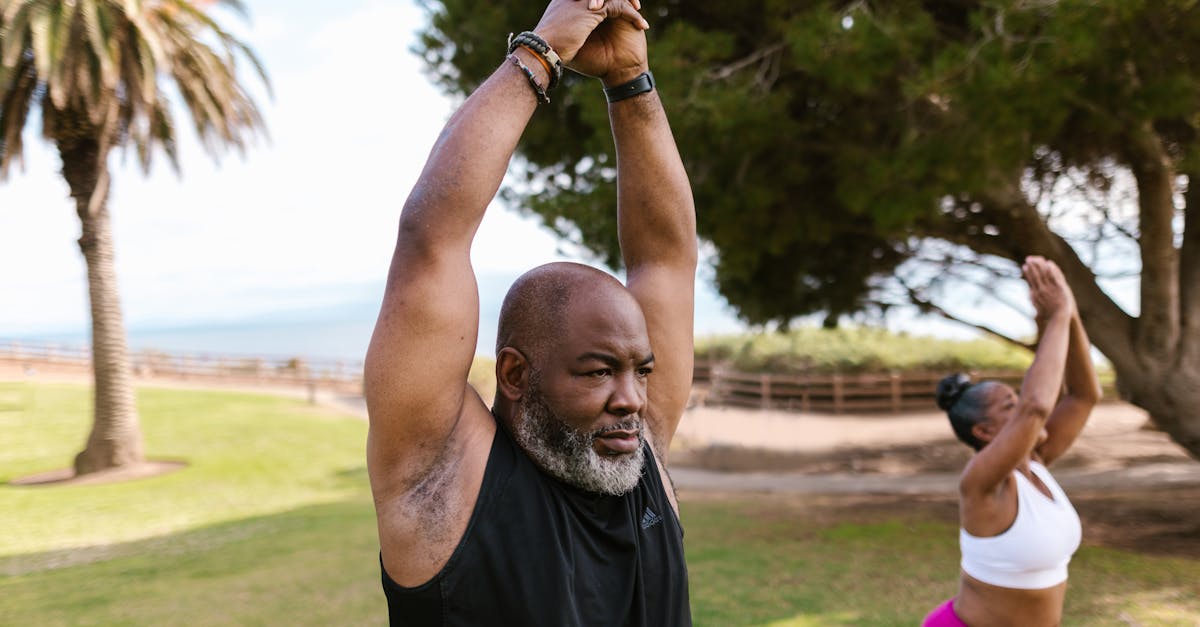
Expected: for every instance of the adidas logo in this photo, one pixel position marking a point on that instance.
(649, 519)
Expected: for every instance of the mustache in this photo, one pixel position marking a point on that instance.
(628, 424)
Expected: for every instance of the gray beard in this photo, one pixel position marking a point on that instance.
(567, 454)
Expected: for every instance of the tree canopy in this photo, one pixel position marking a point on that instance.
(846, 155)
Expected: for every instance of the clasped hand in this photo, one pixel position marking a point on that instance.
(1048, 288)
(601, 38)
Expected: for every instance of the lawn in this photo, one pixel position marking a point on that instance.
(271, 523)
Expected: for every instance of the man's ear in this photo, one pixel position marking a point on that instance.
(512, 373)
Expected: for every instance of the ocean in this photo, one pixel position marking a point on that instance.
(331, 332)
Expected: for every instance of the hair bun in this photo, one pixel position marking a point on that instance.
(950, 389)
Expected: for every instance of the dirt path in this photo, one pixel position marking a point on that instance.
(779, 452)
(1133, 488)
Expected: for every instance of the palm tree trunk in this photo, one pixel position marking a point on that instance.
(116, 438)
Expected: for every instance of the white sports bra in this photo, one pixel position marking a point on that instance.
(1034, 552)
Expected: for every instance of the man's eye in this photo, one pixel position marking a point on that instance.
(644, 372)
(603, 372)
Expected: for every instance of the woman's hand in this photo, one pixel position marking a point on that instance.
(1048, 288)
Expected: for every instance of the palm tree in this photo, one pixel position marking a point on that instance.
(93, 68)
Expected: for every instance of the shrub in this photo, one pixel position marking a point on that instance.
(856, 350)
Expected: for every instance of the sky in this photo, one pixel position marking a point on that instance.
(313, 207)
(305, 219)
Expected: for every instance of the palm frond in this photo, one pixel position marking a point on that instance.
(17, 94)
(100, 67)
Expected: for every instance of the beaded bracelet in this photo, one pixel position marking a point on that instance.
(542, 97)
(548, 56)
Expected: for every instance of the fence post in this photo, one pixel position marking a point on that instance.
(837, 394)
(895, 392)
(764, 383)
(716, 379)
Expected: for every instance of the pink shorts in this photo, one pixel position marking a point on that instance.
(944, 616)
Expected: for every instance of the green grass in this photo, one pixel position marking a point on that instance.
(787, 561)
(272, 523)
(247, 456)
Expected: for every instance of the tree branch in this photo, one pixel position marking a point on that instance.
(1158, 323)
(725, 71)
(928, 306)
(988, 287)
(1025, 233)
(1117, 226)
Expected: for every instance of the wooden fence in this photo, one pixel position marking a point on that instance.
(837, 394)
(343, 376)
(715, 383)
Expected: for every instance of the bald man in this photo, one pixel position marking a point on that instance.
(553, 507)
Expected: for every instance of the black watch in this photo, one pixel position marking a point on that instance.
(640, 85)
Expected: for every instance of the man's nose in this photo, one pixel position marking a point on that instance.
(628, 396)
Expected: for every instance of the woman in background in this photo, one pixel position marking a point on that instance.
(1018, 529)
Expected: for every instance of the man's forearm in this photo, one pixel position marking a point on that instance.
(657, 216)
(469, 159)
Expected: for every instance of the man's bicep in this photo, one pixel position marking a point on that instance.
(420, 353)
(666, 295)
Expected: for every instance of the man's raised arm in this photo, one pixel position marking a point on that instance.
(657, 229)
(425, 336)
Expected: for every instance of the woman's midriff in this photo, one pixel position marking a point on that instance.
(981, 604)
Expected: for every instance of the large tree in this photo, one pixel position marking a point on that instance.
(100, 73)
(851, 154)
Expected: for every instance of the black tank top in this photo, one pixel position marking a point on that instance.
(540, 552)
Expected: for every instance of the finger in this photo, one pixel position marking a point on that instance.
(1052, 274)
(1042, 269)
(622, 9)
(1027, 270)
(1043, 277)
(1034, 276)
(1056, 272)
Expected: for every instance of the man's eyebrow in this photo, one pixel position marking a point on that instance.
(611, 360)
(604, 358)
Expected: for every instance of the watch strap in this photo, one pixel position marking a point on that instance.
(643, 83)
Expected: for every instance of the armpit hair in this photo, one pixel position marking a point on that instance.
(428, 505)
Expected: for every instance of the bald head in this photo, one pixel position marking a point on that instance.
(535, 309)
